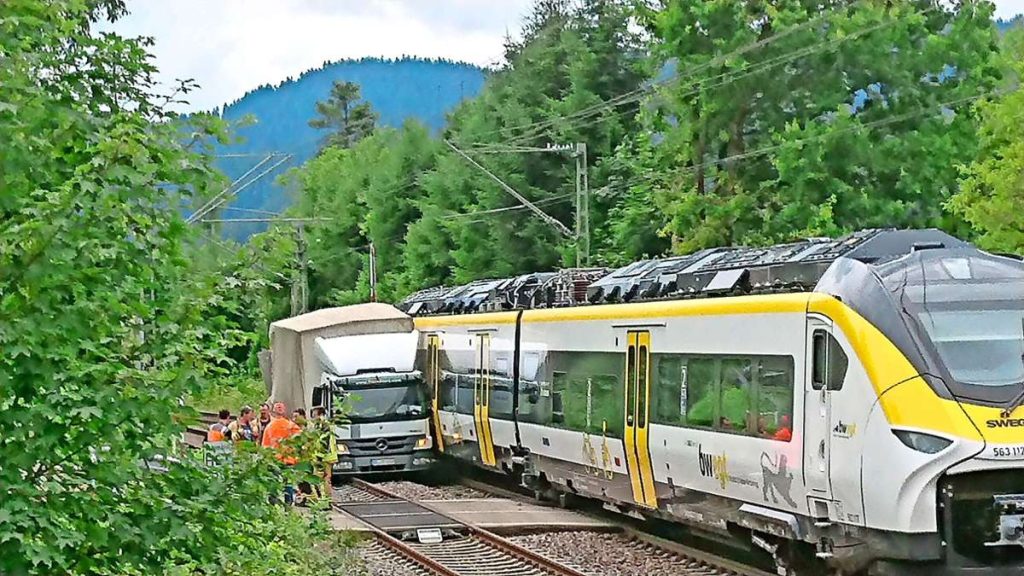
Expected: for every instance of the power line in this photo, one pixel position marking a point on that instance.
(229, 193)
(252, 210)
(211, 201)
(851, 128)
(243, 220)
(627, 97)
(552, 221)
(506, 209)
(728, 77)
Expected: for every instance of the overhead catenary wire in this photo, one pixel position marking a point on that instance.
(725, 78)
(220, 194)
(639, 93)
(231, 191)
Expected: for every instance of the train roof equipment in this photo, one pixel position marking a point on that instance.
(295, 365)
(712, 272)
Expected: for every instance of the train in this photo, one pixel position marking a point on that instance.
(843, 406)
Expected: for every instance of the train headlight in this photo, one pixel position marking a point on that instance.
(424, 443)
(922, 442)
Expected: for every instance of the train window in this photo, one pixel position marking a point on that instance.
(668, 393)
(449, 390)
(533, 406)
(819, 362)
(501, 398)
(737, 394)
(837, 364)
(642, 387)
(559, 390)
(829, 362)
(464, 395)
(702, 397)
(605, 405)
(775, 398)
(630, 384)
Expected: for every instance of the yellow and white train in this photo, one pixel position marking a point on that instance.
(847, 405)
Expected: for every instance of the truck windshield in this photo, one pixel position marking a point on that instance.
(397, 401)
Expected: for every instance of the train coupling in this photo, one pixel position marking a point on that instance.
(1011, 520)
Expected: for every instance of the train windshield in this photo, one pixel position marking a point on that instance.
(970, 308)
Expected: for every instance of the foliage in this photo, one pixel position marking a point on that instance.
(844, 115)
(415, 200)
(990, 198)
(106, 322)
(345, 116)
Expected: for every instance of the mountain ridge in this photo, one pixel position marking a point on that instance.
(401, 89)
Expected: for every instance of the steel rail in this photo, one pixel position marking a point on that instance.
(640, 537)
(488, 537)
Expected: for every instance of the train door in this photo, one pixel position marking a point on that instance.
(817, 410)
(482, 401)
(434, 385)
(637, 410)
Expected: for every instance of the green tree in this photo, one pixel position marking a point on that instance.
(571, 60)
(990, 198)
(794, 118)
(344, 115)
(105, 324)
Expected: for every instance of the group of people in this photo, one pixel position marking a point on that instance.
(271, 428)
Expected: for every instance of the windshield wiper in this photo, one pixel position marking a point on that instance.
(1019, 398)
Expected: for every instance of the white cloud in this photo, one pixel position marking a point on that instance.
(1009, 8)
(232, 46)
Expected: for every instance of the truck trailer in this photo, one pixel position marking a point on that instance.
(358, 363)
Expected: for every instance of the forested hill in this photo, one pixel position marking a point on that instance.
(398, 89)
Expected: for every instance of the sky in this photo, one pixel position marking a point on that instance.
(232, 46)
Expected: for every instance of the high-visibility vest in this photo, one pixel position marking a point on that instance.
(217, 433)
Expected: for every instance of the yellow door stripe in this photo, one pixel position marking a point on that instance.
(434, 381)
(643, 418)
(485, 401)
(629, 403)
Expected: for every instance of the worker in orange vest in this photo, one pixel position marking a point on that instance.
(280, 429)
(218, 431)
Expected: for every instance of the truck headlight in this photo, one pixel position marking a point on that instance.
(342, 448)
(424, 443)
(922, 442)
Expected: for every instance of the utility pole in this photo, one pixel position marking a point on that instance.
(373, 273)
(300, 285)
(579, 152)
(582, 207)
(551, 220)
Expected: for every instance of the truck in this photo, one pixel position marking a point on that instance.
(357, 362)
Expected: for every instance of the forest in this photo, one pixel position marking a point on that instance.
(706, 124)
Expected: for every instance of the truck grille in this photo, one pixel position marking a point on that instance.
(390, 446)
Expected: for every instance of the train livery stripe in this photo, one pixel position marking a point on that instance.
(739, 305)
(905, 398)
(433, 381)
(643, 411)
(629, 407)
(490, 318)
(481, 392)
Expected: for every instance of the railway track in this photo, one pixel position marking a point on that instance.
(195, 434)
(465, 550)
(470, 551)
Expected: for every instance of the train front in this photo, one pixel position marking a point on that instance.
(957, 317)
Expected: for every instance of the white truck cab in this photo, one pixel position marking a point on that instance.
(358, 363)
